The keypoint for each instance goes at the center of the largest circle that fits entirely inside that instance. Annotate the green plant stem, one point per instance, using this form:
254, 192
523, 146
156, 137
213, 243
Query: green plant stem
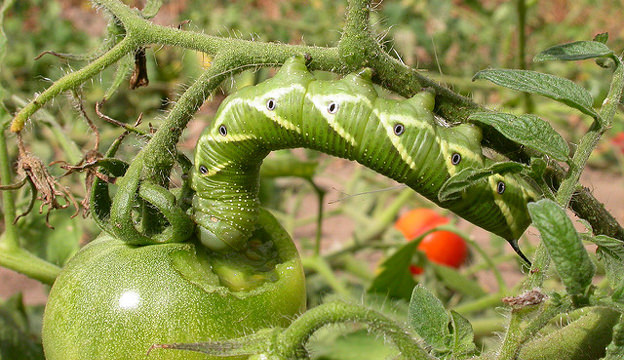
539, 268
585, 148
71, 150
22, 261
321, 267
381, 224
549, 310
521, 10
320, 194
10, 240
590, 139
513, 339
298, 333
502, 286
487, 326
483, 303
11, 255
71, 81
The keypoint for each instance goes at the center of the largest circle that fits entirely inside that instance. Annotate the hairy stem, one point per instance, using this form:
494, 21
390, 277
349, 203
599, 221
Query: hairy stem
24, 262
10, 240
301, 330
590, 139
513, 338
585, 148
71, 81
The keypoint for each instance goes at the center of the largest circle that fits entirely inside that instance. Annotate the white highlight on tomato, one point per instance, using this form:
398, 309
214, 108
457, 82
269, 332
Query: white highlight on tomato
129, 300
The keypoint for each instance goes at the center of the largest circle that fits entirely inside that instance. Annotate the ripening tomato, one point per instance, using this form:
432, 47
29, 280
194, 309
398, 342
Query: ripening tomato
418, 221
618, 142
441, 247
114, 301
445, 248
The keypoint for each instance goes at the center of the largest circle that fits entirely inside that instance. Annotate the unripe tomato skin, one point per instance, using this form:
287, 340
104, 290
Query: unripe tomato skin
441, 247
113, 301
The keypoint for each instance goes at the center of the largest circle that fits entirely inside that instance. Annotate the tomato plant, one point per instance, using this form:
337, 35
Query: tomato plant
441, 247
114, 301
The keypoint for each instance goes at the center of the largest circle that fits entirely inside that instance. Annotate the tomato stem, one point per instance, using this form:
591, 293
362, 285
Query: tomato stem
8, 200
299, 332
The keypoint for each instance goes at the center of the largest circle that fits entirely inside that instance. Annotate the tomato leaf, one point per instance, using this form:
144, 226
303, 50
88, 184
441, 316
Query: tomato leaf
578, 50
354, 346
15, 340
554, 87
428, 317
284, 163
563, 244
463, 336
610, 252
458, 282
615, 350
528, 130
454, 187
537, 169
602, 37
60, 244
395, 279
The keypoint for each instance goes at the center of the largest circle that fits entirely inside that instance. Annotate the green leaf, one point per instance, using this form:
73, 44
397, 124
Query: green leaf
284, 163
610, 252
463, 336
454, 187
125, 66
354, 346
56, 246
395, 279
563, 244
16, 342
578, 50
6, 4
615, 350
554, 87
602, 37
528, 130
458, 282
428, 317
538, 168
151, 8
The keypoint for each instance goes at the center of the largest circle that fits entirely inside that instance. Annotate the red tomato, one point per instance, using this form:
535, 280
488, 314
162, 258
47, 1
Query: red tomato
618, 141
441, 247
418, 221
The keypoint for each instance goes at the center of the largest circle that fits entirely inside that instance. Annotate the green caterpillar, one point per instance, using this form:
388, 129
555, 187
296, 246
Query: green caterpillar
344, 118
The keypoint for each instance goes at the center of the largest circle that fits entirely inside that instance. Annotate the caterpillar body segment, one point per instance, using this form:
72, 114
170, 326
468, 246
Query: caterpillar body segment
345, 118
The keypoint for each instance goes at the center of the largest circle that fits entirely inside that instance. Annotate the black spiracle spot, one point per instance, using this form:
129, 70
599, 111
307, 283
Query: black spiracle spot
332, 108
399, 129
271, 104
222, 130
455, 158
500, 187
203, 169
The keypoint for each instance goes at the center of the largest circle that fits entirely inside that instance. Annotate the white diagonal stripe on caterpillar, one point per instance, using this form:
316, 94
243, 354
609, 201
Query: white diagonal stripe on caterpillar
322, 101
384, 118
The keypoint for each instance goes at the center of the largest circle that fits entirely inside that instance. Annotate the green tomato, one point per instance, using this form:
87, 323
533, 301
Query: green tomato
114, 301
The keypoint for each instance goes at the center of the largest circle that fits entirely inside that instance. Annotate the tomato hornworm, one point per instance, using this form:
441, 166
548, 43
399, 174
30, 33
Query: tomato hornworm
346, 118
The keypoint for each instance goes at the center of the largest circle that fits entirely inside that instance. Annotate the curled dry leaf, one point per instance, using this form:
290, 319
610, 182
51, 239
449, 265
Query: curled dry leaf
44, 186
528, 298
